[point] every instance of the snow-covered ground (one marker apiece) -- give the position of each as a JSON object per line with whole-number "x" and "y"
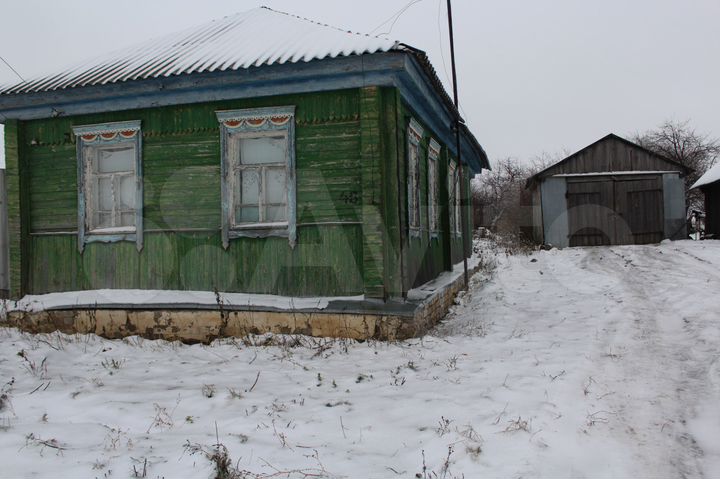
{"x": 597, "y": 362}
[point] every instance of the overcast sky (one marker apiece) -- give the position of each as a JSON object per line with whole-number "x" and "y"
{"x": 535, "y": 76}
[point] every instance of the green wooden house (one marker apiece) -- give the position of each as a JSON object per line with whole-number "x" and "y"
{"x": 261, "y": 154}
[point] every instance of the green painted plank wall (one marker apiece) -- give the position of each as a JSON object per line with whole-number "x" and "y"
{"x": 181, "y": 157}
{"x": 425, "y": 257}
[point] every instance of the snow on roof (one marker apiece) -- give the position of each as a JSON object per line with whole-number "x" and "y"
{"x": 261, "y": 36}
{"x": 711, "y": 176}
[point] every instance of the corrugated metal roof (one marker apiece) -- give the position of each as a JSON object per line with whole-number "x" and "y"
{"x": 261, "y": 36}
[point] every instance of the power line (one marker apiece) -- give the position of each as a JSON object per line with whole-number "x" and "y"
{"x": 442, "y": 54}
{"x": 395, "y": 17}
{"x": 14, "y": 70}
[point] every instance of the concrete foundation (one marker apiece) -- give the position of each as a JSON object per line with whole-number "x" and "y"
{"x": 391, "y": 320}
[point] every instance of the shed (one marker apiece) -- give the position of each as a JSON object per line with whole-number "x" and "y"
{"x": 262, "y": 172}
{"x": 709, "y": 184}
{"x": 610, "y": 192}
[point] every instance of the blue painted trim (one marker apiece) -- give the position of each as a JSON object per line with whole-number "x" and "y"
{"x": 84, "y": 236}
{"x": 223, "y": 116}
{"x": 393, "y": 69}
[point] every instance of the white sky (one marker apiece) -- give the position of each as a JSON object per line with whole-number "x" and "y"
{"x": 534, "y": 76}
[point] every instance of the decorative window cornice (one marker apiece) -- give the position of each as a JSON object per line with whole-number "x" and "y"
{"x": 434, "y": 149}
{"x": 107, "y": 131}
{"x": 415, "y": 131}
{"x": 256, "y": 118}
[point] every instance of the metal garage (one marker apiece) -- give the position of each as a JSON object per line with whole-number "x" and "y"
{"x": 611, "y": 192}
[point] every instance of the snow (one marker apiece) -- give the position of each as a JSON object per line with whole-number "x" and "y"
{"x": 614, "y": 173}
{"x": 711, "y": 176}
{"x": 149, "y": 298}
{"x": 581, "y": 362}
{"x": 231, "y": 43}
{"x": 444, "y": 279}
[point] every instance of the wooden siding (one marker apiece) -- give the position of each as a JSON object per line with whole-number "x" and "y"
{"x": 425, "y": 256}
{"x": 611, "y": 154}
{"x": 181, "y": 157}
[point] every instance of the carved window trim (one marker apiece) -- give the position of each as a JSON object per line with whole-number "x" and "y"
{"x": 101, "y": 135}
{"x": 433, "y": 188}
{"x": 414, "y": 137}
{"x": 255, "y": 123}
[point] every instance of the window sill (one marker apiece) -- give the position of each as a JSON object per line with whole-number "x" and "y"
{"x": 109, "y": 237}
{"x": 260, "y": 230}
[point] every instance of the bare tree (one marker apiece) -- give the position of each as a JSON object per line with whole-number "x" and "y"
{"x": 678, "y": 141}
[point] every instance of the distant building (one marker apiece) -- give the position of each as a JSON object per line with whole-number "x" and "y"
{"x": 709, "y": 184}
{"x": 611, "y": 192}
{"x": 263, "y": 154}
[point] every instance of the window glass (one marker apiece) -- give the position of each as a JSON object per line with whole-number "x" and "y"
{"x": 267, "y": 149}
{"x": 104, "y": 194}
{"x": 275, "y": 186}
{"x": 247, "y": 214}
{"x": 127, "y": 192}
{"x": 111, "y": 160}
{"x": 249, "y": 187}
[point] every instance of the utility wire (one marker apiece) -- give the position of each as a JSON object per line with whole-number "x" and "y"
{"x": 394, "y": 17}
{"x": 14, "y": 70}
{"x": 442, "y": 54}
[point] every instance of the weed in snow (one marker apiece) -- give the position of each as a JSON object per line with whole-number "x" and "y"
{"x": 112, "y": 364}
{"x": 208, "y": 390}
{"x": 443, "y": 426}
{"x": 518, "y": 424}
{"x": 33, "y": 440}
{"x": 36, "y": 370}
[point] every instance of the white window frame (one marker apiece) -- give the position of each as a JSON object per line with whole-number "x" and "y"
{"x": 414, "y": 137}
{"x": 433, "y": 160}
{"x": 236, "y": 125}
{"x": 90, "y": 139}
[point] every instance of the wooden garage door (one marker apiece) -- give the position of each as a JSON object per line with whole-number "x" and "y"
{"x": 640, "y": 212}
{"x": 615, "y": 211}
{"x": 590, "y": 212}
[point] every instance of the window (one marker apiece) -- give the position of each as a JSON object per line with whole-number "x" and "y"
{"x": 433, "y": 156}
{"x": 258, "y": 173}
{"x": 415, "y": 133}
{"x": 452, "y": 197}
{"x": 110, "y": 178}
